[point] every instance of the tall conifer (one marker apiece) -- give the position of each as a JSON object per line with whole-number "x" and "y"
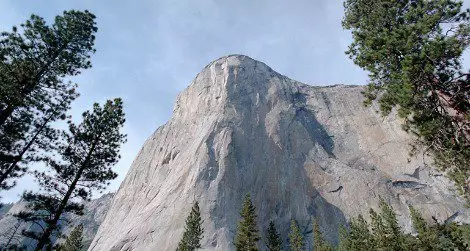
{"x": 88, "y": 151}
{"x": 193, "y": 231}
{"x": 319, "y": 243}
{"x": 34, "y": 61}
{"x": 74, "y": 241}
{"x": 296, "y": 238}
{"x": 389, "y": 234}
{"x": 247, "y": 236}
{"x": 273, "y": 240}
{"x": 360, "y": 237}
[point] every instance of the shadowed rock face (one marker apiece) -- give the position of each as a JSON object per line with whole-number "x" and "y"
{"x": 300, "y": 151}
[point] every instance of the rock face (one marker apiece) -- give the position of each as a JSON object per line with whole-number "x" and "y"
{"x": 300, "y": 151}
{"x": 94, "y": 213}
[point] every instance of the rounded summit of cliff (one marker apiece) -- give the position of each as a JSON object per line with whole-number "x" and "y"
{"x": 233, "y": 80}
{"x": 237, "y": 61}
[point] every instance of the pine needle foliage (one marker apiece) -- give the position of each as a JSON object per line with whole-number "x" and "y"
{"x": 74, "y": 241}
{"x": 447, "y": 236}
{"x": 273, "y": 239}
{"x": 35, "y": 59}
{"x": 87, "y": 153}
{"x": 413, "y": 52}
{"x": 360, "y": 238}
{"x": 247, "y": 236}
{"x": 319, "y": 243}
{"x": 383, "y": 233}
{"x": 193, "y": 232}
{"x": 296, "y": 238}
{"x": 385, "y": 228}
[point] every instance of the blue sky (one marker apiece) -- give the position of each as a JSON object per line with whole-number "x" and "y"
{"x": 149, "y": 51}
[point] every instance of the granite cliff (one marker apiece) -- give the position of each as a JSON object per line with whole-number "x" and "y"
{"x": 301, "y": 151}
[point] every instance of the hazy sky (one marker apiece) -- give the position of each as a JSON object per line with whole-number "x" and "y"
{"x": 149, "y": 51}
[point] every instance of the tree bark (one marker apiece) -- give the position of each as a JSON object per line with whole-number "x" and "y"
{"x": 44, "y": 239}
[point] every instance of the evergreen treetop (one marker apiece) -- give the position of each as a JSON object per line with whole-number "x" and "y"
{"x": 385, "y": 228}
{"x": 273, "y": 240}
{"x": 360, "y": 238}
{"x": 193, "y": 232}
{"x": 247, "y": 236}
{"x": 74, "y": 241}
{"x": 319, "y": 243}
{"x": 296, "y": 238}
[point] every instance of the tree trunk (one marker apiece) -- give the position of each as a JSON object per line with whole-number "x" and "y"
{"x": 53, "y": 224}
{"x": 18, "y": 158}
{"x": 5, "y": 114}
{"x": 44, "y": 239}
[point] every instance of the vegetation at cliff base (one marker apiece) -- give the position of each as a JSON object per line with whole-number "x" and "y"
{"x": 193, "y": 231}
{"x": 273, "y": 239}
{"x": 74, "y": 242}
{"x": 381, "y": 232}
{"x": 319, "y": 243}
{"x": 247, "y": 236}
{"x": 296, "y": 238}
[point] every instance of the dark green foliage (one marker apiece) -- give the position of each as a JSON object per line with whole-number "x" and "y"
{"x": 413, "y": 49}
{"x": 360, "y": 238}
{"x": 427, "y": 237}
{"x": 74, "y": 241}
{"x": 273, "y": 240}
{"x": 87, "y": 153}
{"x": 319, "y": 243}
{"x": 385, "y": 228}
{"x": 296, "y": 238}
{"x": 247, "y": 235}
{"x": 193, "y": 231}
{"x": 343, "y": 239}
{"x": 34, "y": 61}
{"x": 438, "y": 236}
{"x": 386, "y": 235}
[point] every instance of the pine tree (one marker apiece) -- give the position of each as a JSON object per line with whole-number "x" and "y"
{"x": 385, "y": 228}
{"x": 193, "y": 231}
{"x": 386, "y": 235}
{"x": 378, "y": 229}
{"x": 319, "y": 243}
{"x": 343, "y": 235}
{"x": 427, "y": 237}
{"x": 74, "y": 241}
{"x": 34, "y": 62}
{"x": 413, "y": 50}
{"x": 360, "y": 237}
{"x": 296, "y": 238}
{"x": 87, "y": 154}
{"x": 395, "y": 235}
{"x": 273, "y": 240}
{"x": 247, "y": 231}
